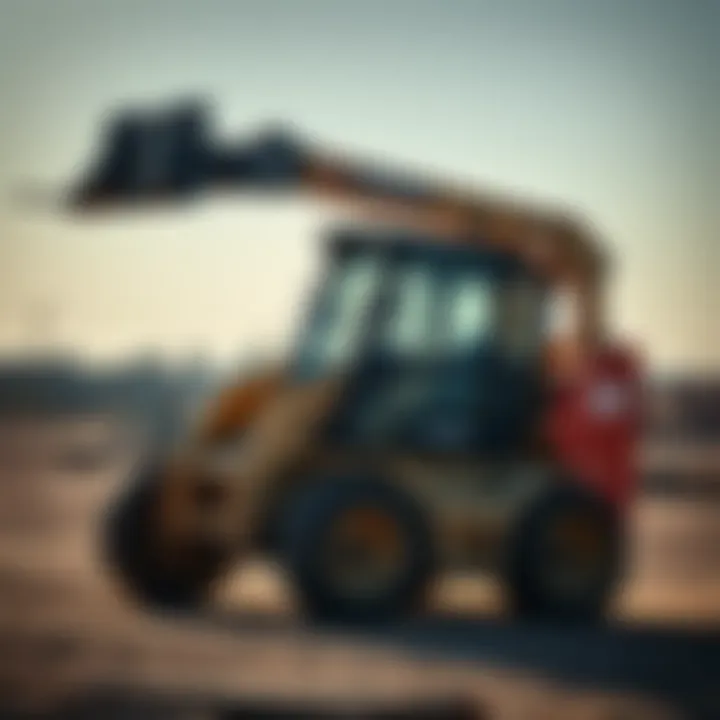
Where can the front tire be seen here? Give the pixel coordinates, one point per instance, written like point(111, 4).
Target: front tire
point(132, 551)
point(319, 525)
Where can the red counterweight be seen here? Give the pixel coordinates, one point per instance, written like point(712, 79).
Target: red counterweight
point(594, 423)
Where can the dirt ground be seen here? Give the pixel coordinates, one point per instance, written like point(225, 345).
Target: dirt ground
point(67, 629)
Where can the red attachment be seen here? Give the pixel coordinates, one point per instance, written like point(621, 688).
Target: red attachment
point(594, 423)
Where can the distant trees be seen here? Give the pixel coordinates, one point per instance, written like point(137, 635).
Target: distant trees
point(685, 409)
point(155, 396)
point(159, 395)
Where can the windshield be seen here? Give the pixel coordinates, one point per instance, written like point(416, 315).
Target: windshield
point(339, 319)
point(427, 313)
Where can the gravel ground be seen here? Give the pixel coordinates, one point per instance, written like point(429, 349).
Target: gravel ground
point(71, 643)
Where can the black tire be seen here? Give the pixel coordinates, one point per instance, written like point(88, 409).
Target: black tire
point(307, 532)
point(533, 592)
point(131, 551)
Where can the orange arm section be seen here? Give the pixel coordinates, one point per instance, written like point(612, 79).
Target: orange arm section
point(130, 171)
point(236, 407)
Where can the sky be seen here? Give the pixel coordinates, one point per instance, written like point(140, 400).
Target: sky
point(610, 108)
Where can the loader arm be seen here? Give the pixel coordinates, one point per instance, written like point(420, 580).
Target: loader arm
point(171, 156)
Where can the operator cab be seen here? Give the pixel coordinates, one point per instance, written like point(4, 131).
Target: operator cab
point(441, 343)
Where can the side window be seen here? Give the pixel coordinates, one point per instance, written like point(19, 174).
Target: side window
point(563, 313)
point(408, 329)
point(470, 313)
point(355, 291)
point(521, 314)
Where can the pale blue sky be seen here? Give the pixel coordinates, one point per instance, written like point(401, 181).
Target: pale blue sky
point(611, 107)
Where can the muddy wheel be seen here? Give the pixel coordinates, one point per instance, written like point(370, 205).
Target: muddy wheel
point(358, 552)
point(131, 549)
point(564, 559)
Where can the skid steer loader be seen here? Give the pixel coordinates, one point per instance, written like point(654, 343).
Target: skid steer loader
point(426, 420)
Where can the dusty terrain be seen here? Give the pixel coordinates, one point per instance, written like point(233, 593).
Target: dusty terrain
point(66, 629)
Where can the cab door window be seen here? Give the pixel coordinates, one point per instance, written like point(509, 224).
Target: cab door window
point(408, 329)
point(469, 316)
point(520, 326)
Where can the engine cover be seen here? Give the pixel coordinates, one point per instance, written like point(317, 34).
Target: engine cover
point(594, 423)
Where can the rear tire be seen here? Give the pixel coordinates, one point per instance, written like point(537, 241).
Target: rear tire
point(542, 582)
point(308, 535)
point(131, 549)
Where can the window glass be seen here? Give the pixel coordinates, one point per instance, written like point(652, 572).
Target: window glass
point(409, 321)
point(355, 291)
point(520, 327)
point(340, 313)
point(563, 315)
point(469, 316)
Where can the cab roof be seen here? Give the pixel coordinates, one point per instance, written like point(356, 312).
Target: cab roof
point(413, 246)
